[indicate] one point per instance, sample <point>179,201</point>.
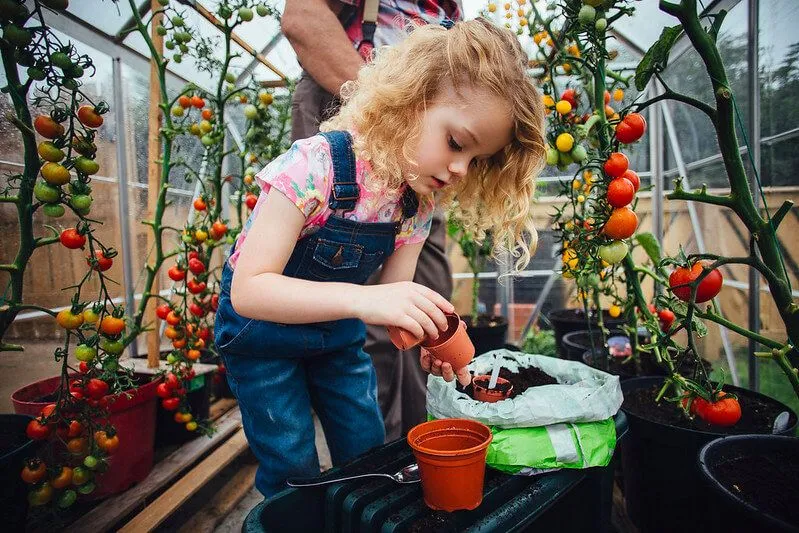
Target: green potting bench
<point>564,501</point>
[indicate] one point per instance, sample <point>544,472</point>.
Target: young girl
<point>446,114</point>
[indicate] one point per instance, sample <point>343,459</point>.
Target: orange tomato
<point>621,224</point>
<point>111,325</point>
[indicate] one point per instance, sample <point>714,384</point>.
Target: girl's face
<point>458,128</point>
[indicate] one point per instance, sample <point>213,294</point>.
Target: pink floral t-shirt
<point>304,174</point>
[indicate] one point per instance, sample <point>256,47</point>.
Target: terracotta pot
<point>482,393</point>
<point>451,454</point>
<point>452,346</point>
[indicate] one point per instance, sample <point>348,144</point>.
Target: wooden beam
<point>158,511</point>
<point>223,502</point>
<point>271,84</point>
<point>220,407</point>
<point>154,179</point>
<point>108,514</point>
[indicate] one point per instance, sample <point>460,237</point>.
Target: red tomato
<point>250,200</point>
<point>207,114</point>
<point>666,318</point>
<point>96,388</point>
<point>176,274</point>
<point>218,230</point>
<point>633,177</point>
<point>196,266</point>
<point>570,95</point>
<point>162,311</point>
<point>620,192</point>
<point>707,289</point>
<point>215,302</point>
<point>173,319</point>
<point>197,102</point>
<point>162,391</point>
<point>631,128</point>
<point>607,97</point>
<point>47,127</point>
<point>72,239</point>
<point>170,404</point>
<point>171,381</point>
<point>726,411</point>
<point>197,310</point>
<point>194,287</point>
<point>616,164</point>
<point>37,429</point>
<point>199,204</point>
<point>89,117</point>
<point>103,262</point>
<point>621,224</point>
<point>204,333</point>
<point>184,101</point>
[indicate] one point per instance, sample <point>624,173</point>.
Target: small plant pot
<point>451,454</point>
<point>452,346</point>
<point>482,393</point>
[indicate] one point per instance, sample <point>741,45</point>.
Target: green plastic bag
<point>531,451</point>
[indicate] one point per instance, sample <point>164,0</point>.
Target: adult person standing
<point>332,39</point>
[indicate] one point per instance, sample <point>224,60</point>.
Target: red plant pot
<point>451,454</point>
<point>452,346</point>
<point>482,393</point>
<point>132,414</point>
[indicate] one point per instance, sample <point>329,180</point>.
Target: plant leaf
<point>657,57</point>
<point>651,246</point>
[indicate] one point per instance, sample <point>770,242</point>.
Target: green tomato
<point>36,74</point>
<point>601,24</point>
<point>170,45</point>
<point>160,30</point>
<point>86,165</point>
<point>245,14</point>
<point>17,36</point>
<point>81,202</point>
<point>177,58</point>
<point>262,10</point>
<point>614,252</point>
<point>67,499</point>
<point>579,153</point>
<point>53,210</point>
<point>593,3</point>
<point>207,140</point>
<point>552,156</point>
<point>183,48</point>
<point>85,353</point>
<point>70,84</point>
<point>250,111</point>
<point>80,476</point>
<point>225,12</point>
<point>230,77</point>
<point>188,239</point>
<point>587,14</point>
<point>90,462</point>
<point>565,159</point>
<point>177,21</point>
<point>171,359</point>
<point>44,192</point>
<point>75,71</point>
<point>112,347</point>
<point>111,365</point>
<point>60,60</point>
<point>88,488</point>
<point>163,3</point>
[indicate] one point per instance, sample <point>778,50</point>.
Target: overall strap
<point>345,189</point>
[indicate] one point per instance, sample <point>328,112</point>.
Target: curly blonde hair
<point>385,106</point>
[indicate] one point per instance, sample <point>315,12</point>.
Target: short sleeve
<point>417,228</point>
<point>303,174</point>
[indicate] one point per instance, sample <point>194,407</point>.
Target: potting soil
<point>521,380</point>
<point>757,415</point>
<point>766,481</point>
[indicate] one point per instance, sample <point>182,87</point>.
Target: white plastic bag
<point>583,394</point>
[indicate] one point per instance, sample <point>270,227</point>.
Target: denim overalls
<point>279,371</point>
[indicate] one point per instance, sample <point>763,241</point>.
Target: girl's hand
<point>406,305</point>
<point>439,368</point>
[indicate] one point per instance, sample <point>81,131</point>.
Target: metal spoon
<point>408,474</point>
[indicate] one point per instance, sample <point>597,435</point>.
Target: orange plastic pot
<point>451,454</point>
<point>482,393</point>
<point>452,346</point>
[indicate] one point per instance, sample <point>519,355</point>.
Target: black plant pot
<point>600,360</point>
<point>567,320</point>
<point>767,486</point>
<point>15,447</point>
<point>488,334</point>
<point>662,484</point>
